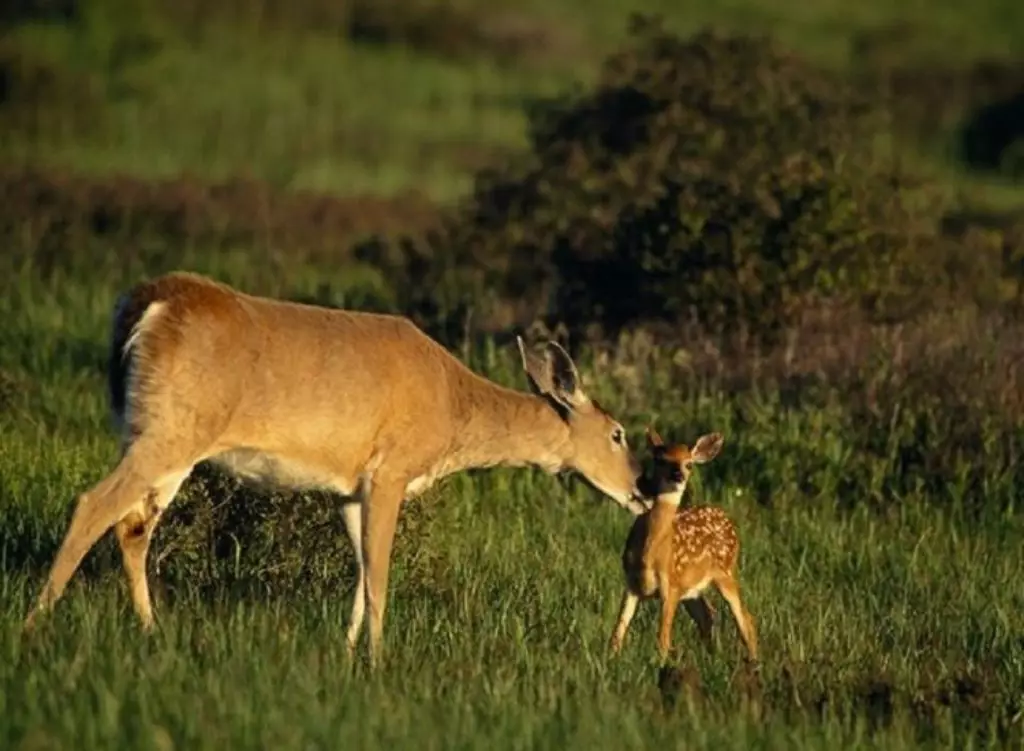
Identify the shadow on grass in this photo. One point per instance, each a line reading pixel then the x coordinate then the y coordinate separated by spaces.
pixel 223 538
pixel 936 703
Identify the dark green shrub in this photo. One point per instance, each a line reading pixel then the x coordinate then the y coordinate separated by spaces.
pixel 14 12
pixel 720 175
pixel 993 137
pixel 51 220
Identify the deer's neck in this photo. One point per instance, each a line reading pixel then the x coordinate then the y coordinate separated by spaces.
pixel 661 526
pixel 502 426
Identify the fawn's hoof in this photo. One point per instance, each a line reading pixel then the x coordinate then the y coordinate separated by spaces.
pixel 678 680
pixel 28 627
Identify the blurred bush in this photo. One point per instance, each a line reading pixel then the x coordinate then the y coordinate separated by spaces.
pixel 976 106
pixel 993 137
pixel 51 220
pixel 720 177
pixel 437 27
pixel 14 12
pixel 38 97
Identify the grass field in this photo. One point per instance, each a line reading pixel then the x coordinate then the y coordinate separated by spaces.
pixel 293 104
pixel 894 623
pixel 878 495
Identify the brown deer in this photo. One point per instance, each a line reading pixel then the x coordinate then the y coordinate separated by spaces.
pixel 365 405
pixel 677 553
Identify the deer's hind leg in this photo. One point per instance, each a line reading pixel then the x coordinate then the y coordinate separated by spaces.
pixel 730 590
pixel 143 468
pixel 134 534
pixel 702 612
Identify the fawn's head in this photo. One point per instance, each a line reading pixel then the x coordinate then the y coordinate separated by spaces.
pixel 673 464
pixel 597 442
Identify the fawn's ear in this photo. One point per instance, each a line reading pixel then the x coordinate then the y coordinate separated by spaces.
pixel 653 439
pixel 706 448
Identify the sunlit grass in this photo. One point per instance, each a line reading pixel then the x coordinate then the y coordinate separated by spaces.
pixel 503 595
pixel 505 583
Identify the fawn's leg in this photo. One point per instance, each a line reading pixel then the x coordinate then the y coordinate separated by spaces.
pixel 669 605
pixel 730 590
pixel 703 615
pixel 626 612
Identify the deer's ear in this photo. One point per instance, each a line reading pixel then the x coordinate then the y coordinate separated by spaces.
pixel 552 373
pixel 653 439
pixel 706 448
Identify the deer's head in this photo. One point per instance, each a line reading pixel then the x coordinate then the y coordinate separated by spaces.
pixel 673 464
pixel 598 448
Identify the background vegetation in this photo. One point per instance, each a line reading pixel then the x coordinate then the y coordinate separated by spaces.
pixel 802 225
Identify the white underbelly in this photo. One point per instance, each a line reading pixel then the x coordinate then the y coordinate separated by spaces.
pixel 279 471
pixel 426 480
pixel 418 485
pixel 694 592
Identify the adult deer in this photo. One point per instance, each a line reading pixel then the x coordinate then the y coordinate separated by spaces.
pixel 362 404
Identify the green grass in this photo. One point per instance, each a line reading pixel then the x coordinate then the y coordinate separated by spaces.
pixel 504 592
pixel 313 110
pixel 298 113
pixel 822 30
pixel 881 551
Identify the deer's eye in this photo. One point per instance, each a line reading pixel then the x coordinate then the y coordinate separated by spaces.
pixel 618 437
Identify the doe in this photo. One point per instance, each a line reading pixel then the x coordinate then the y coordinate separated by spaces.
pixel 367 406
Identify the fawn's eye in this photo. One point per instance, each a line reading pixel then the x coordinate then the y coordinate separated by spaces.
pixel 618 437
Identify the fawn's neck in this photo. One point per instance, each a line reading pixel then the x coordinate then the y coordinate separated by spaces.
pixel 662 521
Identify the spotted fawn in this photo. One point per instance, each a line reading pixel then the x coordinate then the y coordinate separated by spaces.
pixel 676 553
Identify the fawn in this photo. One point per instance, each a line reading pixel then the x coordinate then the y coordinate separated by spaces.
pixel 676 553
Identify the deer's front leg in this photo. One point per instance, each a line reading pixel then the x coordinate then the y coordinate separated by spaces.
pixel 353 516
pixel 669 605
pixel 626 613
pixel 380 516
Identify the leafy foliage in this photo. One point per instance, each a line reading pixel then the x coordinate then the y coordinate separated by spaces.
pixel 717 175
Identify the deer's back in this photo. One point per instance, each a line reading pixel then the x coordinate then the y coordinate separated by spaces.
pixel 301 383
pixel 704 533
